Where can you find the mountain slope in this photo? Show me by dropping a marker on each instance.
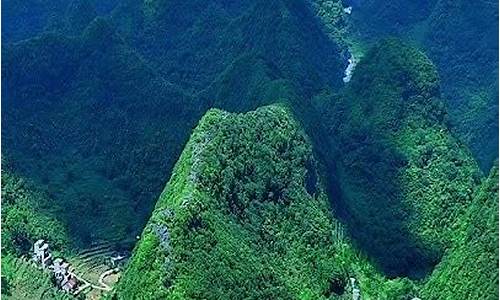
(243, 216)
(401, 177)
(27, 19)
(95, 119)
(85, 118)
(191, 43)
(470, 269)
(461, 38)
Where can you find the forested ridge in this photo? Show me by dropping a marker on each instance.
(279, 179)
(461, 38)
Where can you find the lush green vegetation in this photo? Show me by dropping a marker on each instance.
(461, 38)
(335, 20)
(99, 143)
(205, 38)
(22, 280)
(25, 219)
(97, 110)
(107, 124)
(401, 178)
(26, 19)
(243, 216)
(470, 269)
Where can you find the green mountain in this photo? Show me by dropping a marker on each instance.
(461, 38)
(191, 43)
(304, 183)
(108, 121)
(400, 177)
(92, 131)
(243, 216)
(27, 217)
(27, 19)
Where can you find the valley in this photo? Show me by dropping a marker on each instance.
(268, 149)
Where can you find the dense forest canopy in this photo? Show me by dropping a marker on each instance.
(461, 38)
(280, 178)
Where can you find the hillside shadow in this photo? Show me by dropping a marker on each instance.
(363, 184)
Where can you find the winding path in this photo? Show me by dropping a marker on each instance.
(102, 285)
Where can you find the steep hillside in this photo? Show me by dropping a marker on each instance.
(191, 43)
(244, 208)
(85, 118)
(374, 19)
(97, 108)
(96, 120)
(24, 19)
(244, 216)
(402, 179)
(461, 38)
(27, 216)
(470, 269)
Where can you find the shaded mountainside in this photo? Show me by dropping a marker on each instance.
(461, 38)
(86, 118)
(24, 19)
(375, 19)
(95, 119)
(401, 177)
(191, 43)
(27, 217)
